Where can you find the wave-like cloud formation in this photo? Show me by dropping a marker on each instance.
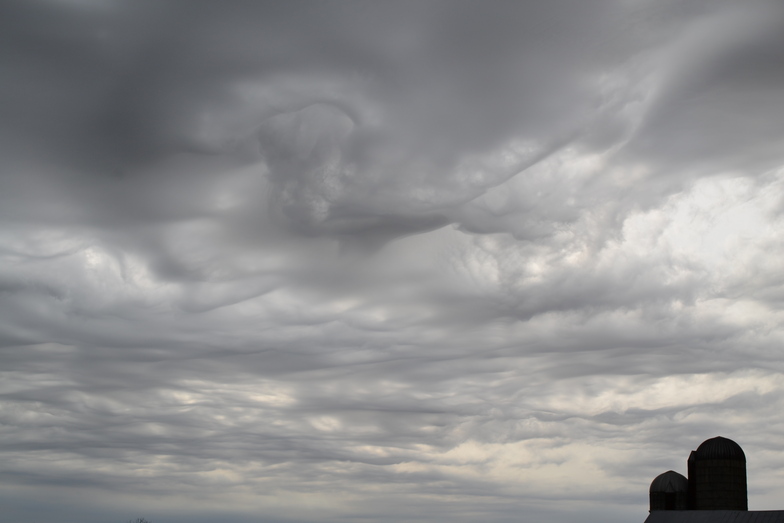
(385, 261)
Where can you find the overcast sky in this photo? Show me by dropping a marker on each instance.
(386, 261)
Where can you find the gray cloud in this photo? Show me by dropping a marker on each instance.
(384, 261)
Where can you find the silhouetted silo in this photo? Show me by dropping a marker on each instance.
(669, 491)
(717, 476)
(691, 470)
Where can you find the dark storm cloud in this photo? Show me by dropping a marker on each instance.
(349, 104)
(385, 261)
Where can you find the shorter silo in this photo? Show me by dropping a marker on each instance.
(669, 491)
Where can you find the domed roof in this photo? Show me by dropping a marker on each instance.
(670, 481)
(719, 448)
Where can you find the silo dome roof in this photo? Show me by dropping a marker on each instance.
(719, 448)
(670, 481)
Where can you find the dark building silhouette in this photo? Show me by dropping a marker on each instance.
(717, 480)
(716, 516)
(670, 491)
(717, 469)
(714, 492)
(691, 466)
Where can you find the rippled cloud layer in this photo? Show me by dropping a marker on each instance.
(385, 261)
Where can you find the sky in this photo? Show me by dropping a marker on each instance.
(386, 261)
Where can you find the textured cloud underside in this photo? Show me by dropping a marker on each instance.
(385, 261)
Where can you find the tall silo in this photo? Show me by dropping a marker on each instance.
(717, 476)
